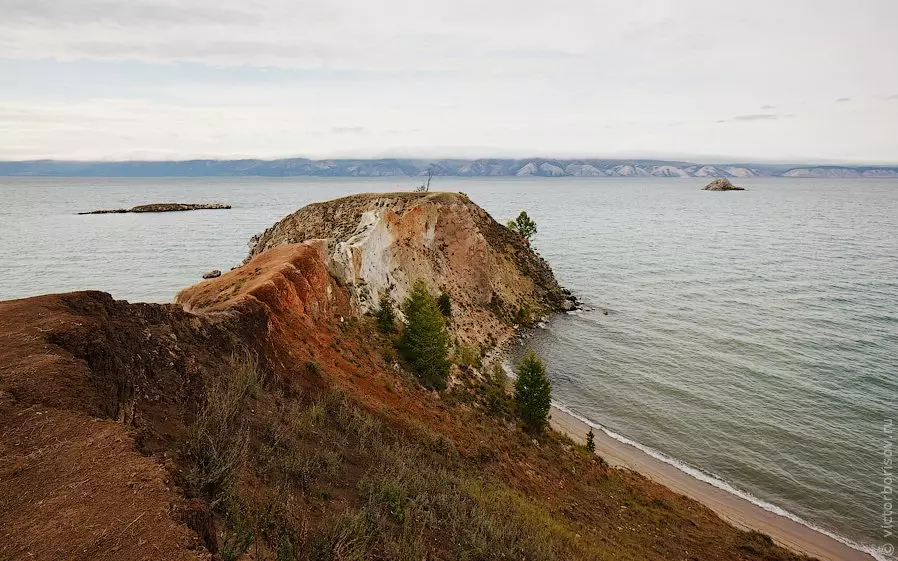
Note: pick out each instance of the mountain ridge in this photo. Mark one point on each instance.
(414, 167)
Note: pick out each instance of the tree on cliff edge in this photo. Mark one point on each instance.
(523, 225)
(533, 392)
(425, 341)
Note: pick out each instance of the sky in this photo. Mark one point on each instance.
(785, 80)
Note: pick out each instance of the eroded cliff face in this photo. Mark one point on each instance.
(384, 242)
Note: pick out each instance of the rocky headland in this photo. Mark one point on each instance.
(265, 416)
(163, 207)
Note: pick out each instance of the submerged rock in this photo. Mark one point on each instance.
(163, 207)
(721, 184)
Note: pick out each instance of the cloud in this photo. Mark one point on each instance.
(306, 77)
(348, 130)
(843, 100)
(892, 97)
(756, 117)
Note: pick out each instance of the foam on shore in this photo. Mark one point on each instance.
(722, 485)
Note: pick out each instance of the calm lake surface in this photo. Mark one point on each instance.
(751, 335)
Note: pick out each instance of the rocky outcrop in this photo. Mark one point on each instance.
(163, 207)
(383, 242)
(721, 184)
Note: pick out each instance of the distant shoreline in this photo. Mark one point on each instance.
(448, 167)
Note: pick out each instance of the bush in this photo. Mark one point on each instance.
(591, 442)
(523, 225)
(445, 304)
(386, 317)
(218, 440)
(424, 341)
(533, 392)
(496, 397)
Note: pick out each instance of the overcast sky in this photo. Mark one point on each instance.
(169, 79)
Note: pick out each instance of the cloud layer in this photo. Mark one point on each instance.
(160, 78)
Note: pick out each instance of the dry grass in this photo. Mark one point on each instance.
(218, 439)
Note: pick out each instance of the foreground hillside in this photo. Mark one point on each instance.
(265, 417)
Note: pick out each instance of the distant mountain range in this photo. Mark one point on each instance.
(542, 167)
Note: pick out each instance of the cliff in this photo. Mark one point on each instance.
(265, 417)
(382, 243)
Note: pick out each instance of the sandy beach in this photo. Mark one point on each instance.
(735, 510)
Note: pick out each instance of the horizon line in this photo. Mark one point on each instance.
(711, 160)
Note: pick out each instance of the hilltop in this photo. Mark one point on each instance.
(264, 416)
(411, 167)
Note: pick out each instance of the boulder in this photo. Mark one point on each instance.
(213, 274)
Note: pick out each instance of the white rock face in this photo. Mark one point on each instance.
(668, 171)
(740, 172)
(365, 260)
(529, 169)
(624, 171)
(823, 172)
(552, 170)
(583, 170)
(708, 171)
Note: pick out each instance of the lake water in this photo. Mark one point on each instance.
(751, 335)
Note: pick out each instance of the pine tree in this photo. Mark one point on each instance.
(533, 392)
(591, 442)
(523, 225)
(386, 317)
(425, 341)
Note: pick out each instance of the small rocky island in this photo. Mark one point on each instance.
(721, 184)
(163, 207)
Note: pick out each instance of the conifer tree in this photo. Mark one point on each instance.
(523, 225)
(386, 317)
(425, 341)
(533, 392)
(590, 442)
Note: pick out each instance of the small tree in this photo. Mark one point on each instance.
(445, 304)
(425, 341)
(533, 392)
(386, 317)
(495, 392)
(591, 442)
(523, 225)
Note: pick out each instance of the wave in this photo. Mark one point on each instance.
(700, 475)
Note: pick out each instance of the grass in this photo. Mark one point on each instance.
(330, 479)
(407, 489)
(217, 441)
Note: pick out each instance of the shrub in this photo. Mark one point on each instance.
(424, 341)
(386, 317)
(523, 225)
(496, 397)
(590, 442)
(533, 392)
(445, 304)
(218, 440)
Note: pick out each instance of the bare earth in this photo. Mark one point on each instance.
(735, 510)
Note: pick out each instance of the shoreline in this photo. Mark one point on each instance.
(732, 508)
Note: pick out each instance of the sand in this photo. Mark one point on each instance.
(735, 510)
